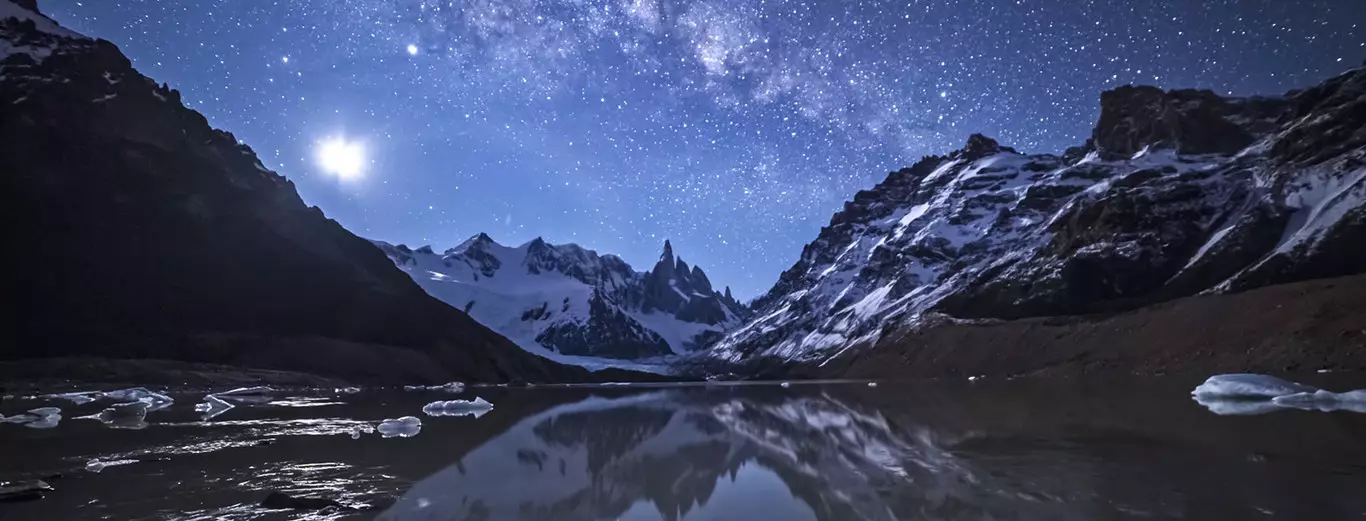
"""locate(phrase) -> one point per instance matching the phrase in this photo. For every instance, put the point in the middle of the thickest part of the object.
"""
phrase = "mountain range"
(567, 300)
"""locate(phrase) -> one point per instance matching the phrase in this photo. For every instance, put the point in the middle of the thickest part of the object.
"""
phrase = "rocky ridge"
(1176, 193)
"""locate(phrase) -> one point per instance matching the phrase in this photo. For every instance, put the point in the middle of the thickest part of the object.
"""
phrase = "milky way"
(734, 128)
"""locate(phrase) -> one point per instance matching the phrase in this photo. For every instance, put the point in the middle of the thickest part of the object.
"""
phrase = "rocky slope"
(138, 231)
(572, 301)
(1177, 193)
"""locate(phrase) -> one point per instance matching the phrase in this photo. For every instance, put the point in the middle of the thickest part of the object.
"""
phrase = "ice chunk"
(45, 418)
(1325, 401)
(45, 411)
(872, 384)
(78, 398)
(212, 407)
(1248, 387)
(476, 408)
(96, 465)
(405, 427)
(155, 401)
(785, 384)
(257, 394)
(1232, 407)
(450, 387)
(347, 390)
(358, 430)
(123, 415)
(975, 378)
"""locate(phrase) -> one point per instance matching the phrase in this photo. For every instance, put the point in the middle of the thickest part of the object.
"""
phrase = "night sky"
(734, 127)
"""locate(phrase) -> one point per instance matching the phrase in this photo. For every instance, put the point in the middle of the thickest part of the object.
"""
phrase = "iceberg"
(476, 408)
(347, 390)
(1248, 387)
(212, 407)
(1258, 394)
(785, 384)
(405, 427)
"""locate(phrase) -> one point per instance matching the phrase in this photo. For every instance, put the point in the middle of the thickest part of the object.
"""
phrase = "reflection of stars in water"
(733, 127)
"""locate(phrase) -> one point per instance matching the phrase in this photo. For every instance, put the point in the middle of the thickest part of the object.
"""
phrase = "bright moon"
(412, 49)
(342, 158)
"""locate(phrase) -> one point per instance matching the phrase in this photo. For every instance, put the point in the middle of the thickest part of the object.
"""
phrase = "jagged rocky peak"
(1192, 121)
(571, 300)
(980, 146)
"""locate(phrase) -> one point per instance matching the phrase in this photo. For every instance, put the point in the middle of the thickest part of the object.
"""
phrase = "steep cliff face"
(139, 231)
(1177, 193)
(568, 300)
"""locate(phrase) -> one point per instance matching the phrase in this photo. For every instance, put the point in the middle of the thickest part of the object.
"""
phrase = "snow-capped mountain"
(1176, 193)
(572, 301)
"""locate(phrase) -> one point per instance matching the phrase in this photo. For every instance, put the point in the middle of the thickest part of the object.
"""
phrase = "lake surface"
(1022, 449)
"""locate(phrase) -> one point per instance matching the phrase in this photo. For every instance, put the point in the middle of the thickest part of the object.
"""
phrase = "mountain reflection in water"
(1029, 449)
(770, 454)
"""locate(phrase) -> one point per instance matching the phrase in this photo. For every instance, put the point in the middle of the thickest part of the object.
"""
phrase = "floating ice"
(1325, 401)
(1230, 407)
(347, 390)
(1248, 386)
(123, 415)
(258, 394)
(245, 391)
(785, 384)
(1257, 394)
(358, 430)
(212, 407)
(975, 378)
(78, 398)
(872, 384)
(155, 401)
(96, 465)
(40, 418)
(45, 411)
(405, 427)
(450, 387)
(476, 408)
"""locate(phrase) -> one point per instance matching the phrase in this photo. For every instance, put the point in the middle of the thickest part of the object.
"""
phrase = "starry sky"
(733, 127)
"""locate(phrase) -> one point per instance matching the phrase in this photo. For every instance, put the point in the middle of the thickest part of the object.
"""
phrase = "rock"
(23, 490)
(281, 500)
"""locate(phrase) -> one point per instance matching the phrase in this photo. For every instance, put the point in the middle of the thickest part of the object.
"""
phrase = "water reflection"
(677, 455)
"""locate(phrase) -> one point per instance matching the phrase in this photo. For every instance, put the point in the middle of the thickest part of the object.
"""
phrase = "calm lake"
(1025, 449)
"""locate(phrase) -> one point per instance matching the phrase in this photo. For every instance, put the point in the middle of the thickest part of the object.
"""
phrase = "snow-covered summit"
(570, 300)
(1176, 193)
